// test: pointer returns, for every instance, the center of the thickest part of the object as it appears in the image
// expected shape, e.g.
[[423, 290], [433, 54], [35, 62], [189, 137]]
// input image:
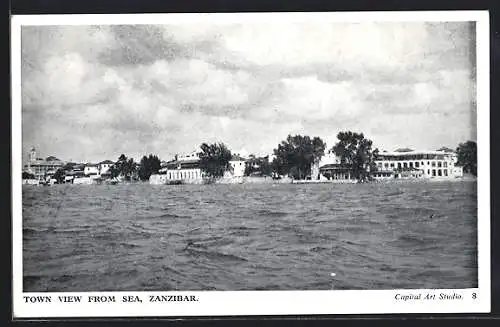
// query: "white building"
[[104, 166], [426, 164], [330, 168], [237, 166], [185, 168], [91, 170]]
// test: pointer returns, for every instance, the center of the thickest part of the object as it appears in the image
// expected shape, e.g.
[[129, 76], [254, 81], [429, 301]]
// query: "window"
[[399, 165], [422, 163], [417, 164], [405, 165], [434, 172], [428, 163], [445, 164], [439, 172], [392, 164], [411, 164], [433, 164], [386, 165], [439, 164], [445, 172]]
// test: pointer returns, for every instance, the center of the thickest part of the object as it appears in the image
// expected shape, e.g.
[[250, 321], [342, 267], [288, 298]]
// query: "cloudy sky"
[[90, 93]]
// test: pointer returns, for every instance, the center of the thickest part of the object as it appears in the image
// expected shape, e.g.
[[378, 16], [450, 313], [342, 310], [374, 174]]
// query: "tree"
[[59, 175], [214, 159], [148, 166], [123, 167], [355, 151], [114, 171], [467, 157], [128, 168], [296, 154], [318, 149]]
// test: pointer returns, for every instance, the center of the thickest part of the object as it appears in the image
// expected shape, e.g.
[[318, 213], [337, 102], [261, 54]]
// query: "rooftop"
[[404, 150], [237, 157], [52, 158], [402, 153], [445, 149]]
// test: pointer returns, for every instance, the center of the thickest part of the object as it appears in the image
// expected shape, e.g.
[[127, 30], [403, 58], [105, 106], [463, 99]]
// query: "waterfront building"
[[104, 166], [91, 170], [331, 168], [42, 168], [257, 166], [75, 173], [408, 163], [237, 166], [184, 167]]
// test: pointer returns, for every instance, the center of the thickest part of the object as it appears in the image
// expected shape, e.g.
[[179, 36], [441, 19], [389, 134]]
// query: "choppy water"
[[249, 237]]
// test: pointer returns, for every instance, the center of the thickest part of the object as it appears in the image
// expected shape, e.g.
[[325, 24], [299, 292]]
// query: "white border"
[[211, 303]]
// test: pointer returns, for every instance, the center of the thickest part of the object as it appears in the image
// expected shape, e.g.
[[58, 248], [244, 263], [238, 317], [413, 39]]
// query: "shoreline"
[[269, 180]]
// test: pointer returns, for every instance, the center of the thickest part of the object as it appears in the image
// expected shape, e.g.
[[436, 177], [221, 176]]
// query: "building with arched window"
[[42, 168], [184, 168], [441, 163]]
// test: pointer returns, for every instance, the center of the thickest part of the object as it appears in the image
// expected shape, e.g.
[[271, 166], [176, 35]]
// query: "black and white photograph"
[[212, 154]]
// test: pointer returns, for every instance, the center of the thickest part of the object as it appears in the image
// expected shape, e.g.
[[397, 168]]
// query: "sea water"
[[142, 237]]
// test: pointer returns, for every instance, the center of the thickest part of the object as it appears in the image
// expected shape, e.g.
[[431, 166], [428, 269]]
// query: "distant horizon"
[[95, 91]]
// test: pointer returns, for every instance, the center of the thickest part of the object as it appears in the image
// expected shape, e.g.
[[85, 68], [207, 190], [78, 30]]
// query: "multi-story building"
[[237, 166], [183, 168], [331, 168], [104, 166], [186, 168], [42, 168], [91, 170], [402, 163]]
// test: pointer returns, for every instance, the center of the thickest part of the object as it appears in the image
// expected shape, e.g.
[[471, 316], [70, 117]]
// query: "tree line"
[[124, 167], [296, 155], [293, 157]]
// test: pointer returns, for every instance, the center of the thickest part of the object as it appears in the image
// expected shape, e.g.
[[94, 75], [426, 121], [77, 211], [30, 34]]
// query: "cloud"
[[94, 92]]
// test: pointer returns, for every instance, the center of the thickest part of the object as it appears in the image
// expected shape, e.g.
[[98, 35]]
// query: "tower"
[[33, 154]]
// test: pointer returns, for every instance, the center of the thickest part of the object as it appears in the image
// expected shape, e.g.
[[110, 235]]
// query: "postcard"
[[242, 164]]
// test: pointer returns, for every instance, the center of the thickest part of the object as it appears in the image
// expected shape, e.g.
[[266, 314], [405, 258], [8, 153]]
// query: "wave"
[[271, 213], [409, 240], [172, 215], [213, 255], [242, 228], [27, 231], [318, 249], [264, 238], [397, 193]]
